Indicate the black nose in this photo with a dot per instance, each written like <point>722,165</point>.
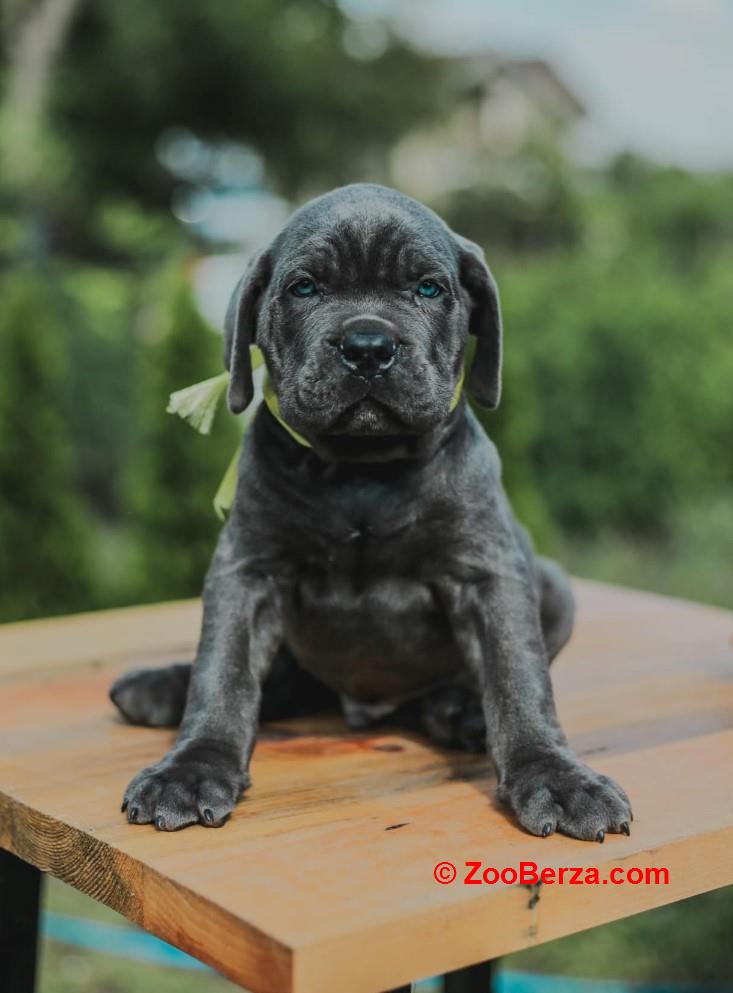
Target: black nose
<point>367,353</point>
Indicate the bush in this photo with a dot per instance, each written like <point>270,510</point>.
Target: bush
<point>101,351</point>
<point>617,398</point>
<point>43,532</point>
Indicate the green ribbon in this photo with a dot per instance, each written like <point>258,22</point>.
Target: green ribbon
<point>197,404</point>
<point>224,496</point>
<point>273,405</point>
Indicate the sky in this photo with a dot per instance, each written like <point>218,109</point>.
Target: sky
<point>656,76</point>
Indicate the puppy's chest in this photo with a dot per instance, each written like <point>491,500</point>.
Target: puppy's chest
<point>363,614</point>
<point>385,638</point>
<point>361,563</point>
<point>361,548</point>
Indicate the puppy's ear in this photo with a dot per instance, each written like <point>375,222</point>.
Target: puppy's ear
<point>239,331</point>
<point>484,380</point>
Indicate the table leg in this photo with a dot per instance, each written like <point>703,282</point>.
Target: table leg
<point>472,979</point>
<point>20,894</point>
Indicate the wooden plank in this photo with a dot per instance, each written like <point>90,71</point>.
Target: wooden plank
<point>312,887</point>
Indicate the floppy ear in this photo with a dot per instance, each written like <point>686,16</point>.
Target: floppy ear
<point>239,331</point>
<point>484,379</point>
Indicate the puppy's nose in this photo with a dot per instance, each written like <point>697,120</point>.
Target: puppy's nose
<point>367,353</point>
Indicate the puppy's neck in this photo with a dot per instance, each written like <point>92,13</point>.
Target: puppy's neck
<point>361,450</point>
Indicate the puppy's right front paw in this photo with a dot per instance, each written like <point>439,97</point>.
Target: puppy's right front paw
<point>196,788</point>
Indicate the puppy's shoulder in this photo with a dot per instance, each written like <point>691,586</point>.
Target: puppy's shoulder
<point>480,454</point>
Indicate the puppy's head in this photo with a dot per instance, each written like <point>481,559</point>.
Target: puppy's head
<point>363,306</point>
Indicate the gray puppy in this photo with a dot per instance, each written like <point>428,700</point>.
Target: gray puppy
<point>375,559</point>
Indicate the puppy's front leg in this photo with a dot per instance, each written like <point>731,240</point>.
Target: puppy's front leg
<point>203,775</point>
<point>496,623</point>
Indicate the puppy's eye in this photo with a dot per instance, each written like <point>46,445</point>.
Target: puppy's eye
<point>304,288</point>
<point>429,288</point>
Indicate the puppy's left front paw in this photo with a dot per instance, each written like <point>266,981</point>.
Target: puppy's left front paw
<point>556,791</point>
<point>198,786</point>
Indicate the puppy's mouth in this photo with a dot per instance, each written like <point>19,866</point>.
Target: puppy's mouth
<point>368,417</point>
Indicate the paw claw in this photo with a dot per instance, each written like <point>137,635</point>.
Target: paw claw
<point>601,836</point>
<point>546,829</point>
<point>625,828</point>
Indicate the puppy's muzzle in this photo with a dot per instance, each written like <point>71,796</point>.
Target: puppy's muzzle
<point>366,348</point>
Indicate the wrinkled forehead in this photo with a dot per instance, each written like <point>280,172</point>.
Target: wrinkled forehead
<point>366,245</point>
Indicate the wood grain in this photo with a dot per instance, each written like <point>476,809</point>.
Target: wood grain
<point>323,879</point>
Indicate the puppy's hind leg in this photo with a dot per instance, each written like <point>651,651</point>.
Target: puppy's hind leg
<point>157,697</point>
<point>153,697</point>
<point>557,605</point>
<point>452,716</point>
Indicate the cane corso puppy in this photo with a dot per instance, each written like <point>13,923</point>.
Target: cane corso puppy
<point>371,556</point>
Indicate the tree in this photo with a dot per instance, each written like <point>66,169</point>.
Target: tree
<point>33,35</point>
<point>274,74</point>
<point>43,568</point>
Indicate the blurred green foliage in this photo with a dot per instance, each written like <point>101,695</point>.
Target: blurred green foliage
<point>43,565</point>
<point>271,73</point>
<point>98,307</point>
<point>618,404</point>
<point>175,471</point>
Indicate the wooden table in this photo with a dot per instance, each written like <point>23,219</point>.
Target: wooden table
<point>322,882</point>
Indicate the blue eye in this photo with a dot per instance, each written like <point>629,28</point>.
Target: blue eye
<point>304,288</point>
<point>429,288</point>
